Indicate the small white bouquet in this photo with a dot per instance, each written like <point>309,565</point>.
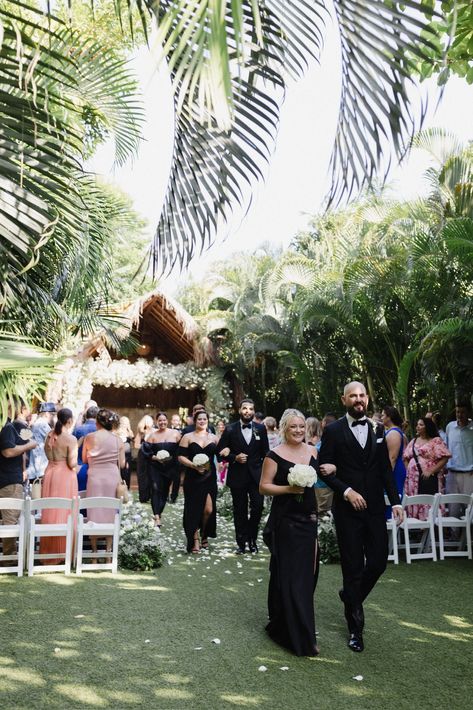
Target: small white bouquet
<point>201,460</point>
<point>162,455</point>
<point>26,434</point>
<point>302,476</point>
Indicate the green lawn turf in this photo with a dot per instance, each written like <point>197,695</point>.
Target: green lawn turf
<point>144,640</point>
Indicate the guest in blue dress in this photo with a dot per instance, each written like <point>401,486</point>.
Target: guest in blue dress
<point>396,442</point>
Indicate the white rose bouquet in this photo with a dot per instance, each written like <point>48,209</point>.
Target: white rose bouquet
<point>303,476</point>
<point>201,460</point>
<point>162,455</point>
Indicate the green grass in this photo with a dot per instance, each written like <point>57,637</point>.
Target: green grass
<point>419,638</point>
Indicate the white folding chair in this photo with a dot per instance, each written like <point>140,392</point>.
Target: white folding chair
<point>393,555</point>
<point>37,529</point>
<point>425,527</point>
<point>15,531</point>
<point>98,530</point>
<point>462,523</point>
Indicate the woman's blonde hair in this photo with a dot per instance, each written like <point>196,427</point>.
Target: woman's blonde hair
<point>288,414</point>
<point>270,423</point>
<point>312,428</point>
<point>145,424</point>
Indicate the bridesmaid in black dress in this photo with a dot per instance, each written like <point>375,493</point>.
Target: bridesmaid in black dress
<point>200,485</point>
<point>161,472</point>
<point>291,535</point>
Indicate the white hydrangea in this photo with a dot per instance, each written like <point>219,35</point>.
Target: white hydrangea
<point>302,475</point>
<point>200,460</point>
<point>162,455</point>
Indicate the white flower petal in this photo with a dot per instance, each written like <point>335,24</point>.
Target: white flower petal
<point>357,677</point>
<point>262,669</point>
<point>216,641</point>
<point>284,668</point>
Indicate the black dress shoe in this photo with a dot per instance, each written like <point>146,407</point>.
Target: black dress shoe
<point>253,548</point>
<point>355,643</point>
<point>239,551</point>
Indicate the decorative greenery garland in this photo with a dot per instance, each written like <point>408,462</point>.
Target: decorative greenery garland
<point>80,378</point>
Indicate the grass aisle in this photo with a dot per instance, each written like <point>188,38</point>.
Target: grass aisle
<point>139,640</point>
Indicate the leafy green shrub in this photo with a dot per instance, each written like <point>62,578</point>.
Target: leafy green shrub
<point>141,546</point>
<point>224,503</point>
<point>329,551</point>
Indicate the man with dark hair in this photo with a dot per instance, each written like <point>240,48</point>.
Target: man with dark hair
<point>244,444</point>
<point>357,447</point>
<point>191,427</point>
<point>258,418</point>
<point>15,441</point>
<point>459,434</point>
<point>80,432</point>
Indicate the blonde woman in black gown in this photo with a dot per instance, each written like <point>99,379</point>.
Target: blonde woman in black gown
<point>200,485</point>
<point>291,535</point>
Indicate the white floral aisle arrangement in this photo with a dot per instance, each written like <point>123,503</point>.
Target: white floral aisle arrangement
<point>302,476</point>
<point>327,538</point>
<point>141,546</point>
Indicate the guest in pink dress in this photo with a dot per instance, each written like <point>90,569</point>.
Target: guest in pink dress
<point>60,479</point>
<point>104,451</point>
<point>425,456</point>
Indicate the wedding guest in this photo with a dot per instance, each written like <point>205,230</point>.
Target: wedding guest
<point>200,484</point>
<point>144,428</point>
<point>244,445</point>
<point>258,418</point>
<point>83,415</point>
<point>191,427</point>
<point>460,442</point>
<point>363,473</point>
<point>60,480</point>
<point>291,535</point>
<point>396,442</point>
<point>125,434</point>
<point>105,453</point>
<point>323,494</point>
<point>80,432</point>
<point>435,416</point>
<point>40,429</point>
<point>426,456</point>
<point>161,471</point>
<point>176,422</point>
<point>272,431</point>
<point>14,445</point>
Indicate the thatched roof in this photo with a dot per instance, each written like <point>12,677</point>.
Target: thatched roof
<point>163,328</point>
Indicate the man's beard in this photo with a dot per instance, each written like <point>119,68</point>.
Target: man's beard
<point>355,413</point>
<point>247,418</point>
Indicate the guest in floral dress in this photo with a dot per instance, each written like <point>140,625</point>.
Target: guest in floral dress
<point>425,457</point>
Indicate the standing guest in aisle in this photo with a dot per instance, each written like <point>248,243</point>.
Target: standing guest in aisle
<point>357,448</point>
<point>15,442</point>
<point>125,433</point>
<point>200,484</point>
<point>60,481</point>
<point>272,430</point>
<point>396,442</point>
<point>244,445</point>
<point>162,467</point>
<point>460,443</point>
<point>40,429</point>
<point>80,432</point>
<point>176,424</point>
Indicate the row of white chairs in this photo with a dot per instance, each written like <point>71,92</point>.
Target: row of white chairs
<point>29,530</point>
<point>425,547</point>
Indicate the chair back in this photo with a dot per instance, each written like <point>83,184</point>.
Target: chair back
<point>50,503</point>
<point>423,499</point>
<point>100,502</point>
<point>12,504</point>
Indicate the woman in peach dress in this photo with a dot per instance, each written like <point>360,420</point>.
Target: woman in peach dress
<point>60,479</point>
<point>105,453</point>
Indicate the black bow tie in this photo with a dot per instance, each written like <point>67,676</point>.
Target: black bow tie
<point>359,422</point>
<point>246,426</point>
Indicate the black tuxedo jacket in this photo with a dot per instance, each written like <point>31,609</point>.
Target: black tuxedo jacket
<point>240,474</point>
<point>368,471</point>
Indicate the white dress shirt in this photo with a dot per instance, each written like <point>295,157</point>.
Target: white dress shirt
<point>247,432</point>
<point>359,432</point>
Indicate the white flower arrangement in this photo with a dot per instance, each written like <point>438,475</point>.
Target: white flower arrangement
<point>200,460</point>
<point>141,546</point>
<point>303,476</point>
<point>79,378</point>
<point>26,434</point>
<point>162,455</point>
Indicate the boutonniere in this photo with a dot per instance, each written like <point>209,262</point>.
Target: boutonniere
<point>257,436</point>
<point>374,425</point>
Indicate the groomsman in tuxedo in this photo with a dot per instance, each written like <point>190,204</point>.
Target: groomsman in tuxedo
<point>244,444</point>
<point>357,447</point>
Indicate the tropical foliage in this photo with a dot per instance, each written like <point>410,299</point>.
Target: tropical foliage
<point>380,291</point>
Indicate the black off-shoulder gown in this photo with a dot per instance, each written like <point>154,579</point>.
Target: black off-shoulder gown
<point>291,535</point>
<point>161,474</point>
<point>197,486</point>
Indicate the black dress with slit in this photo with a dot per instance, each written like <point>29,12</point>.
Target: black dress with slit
<point>161,473</point>
<point>291,535</point>
<point>197,486</point>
